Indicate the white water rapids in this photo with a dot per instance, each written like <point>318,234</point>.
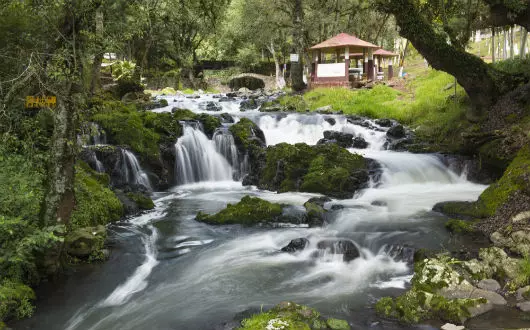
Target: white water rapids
<point>194,276</point>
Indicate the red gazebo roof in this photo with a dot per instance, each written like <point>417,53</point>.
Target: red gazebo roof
<point>344,40</point>
<point>382,52</point>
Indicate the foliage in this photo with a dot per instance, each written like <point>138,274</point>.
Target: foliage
<point>123,70</point>
<point>15,300</point>
<point>95,203</point>
<point>291,316</point>
<point>515,66</point>
<point>250,210</point>
<point>243,132</point>
<point>523,274</point>
<point>327,169</point>
<point>124,126</point>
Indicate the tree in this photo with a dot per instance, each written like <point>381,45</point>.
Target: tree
<point>444,51</point>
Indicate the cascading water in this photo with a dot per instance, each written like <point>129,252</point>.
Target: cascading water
<point>226,146</point>
<point>131,171</point>
<point>207,274</point>
<point>197,158</point>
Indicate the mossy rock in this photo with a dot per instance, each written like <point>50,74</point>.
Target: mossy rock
<point>143,201</point>
<point>494,155</point>
<point>95,203</point>
<point>249,82</point>
<point>291,316</point>
<point>460,226</point>
<point>424,301</point>
<point>15,301</point>
<point>209,123</point>
<point>249,211</point>
<point>327,169</point>
<point>86,242</point>
<point>247,134</point>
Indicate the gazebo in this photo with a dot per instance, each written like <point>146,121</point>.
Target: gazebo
<point>331,60</point>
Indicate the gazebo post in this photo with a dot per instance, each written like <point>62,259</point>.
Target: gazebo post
<point>365,63</point>
<point>370,73</point>
<point>347,62</point>
<point>391,69</point>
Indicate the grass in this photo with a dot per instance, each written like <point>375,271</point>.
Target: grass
<point>427,104</point>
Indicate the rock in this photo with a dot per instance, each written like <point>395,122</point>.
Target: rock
<point>336,207</point>
<point>231,94</point>
<point>325,110</point>
<point>523,293</point>
<point>227,99</point>
<point>396,132</point>
<point>401,253</point>
<point>360,143</point>
<point>211,106</point>
<point>345,247</point>
<point>524,306</point>
<point>315,211</point>
<point>450,326</point>
<point>344,140</point>
<point>331,121</point>
<point>295,245</point>
<point>243,90</point>
<point>489,285</point>
<point>384,122</point>
<point>335,324</point>
<point>249,211</point>
<point>521,217</point>
<point>250,104</point>
<point>379,203</point>
<point>84,242</point>
<point>517,242</point>
<point>226,118</point>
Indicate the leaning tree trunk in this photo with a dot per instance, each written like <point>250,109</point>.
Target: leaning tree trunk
<point>481,82</point>
<point>297,68</point>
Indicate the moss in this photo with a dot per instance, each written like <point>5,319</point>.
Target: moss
<point>243,132</point>
<point>86,243</point>
<point>143,202</point>
<point>166,125</point>
<point>95,203</point>
<point>209,123</point>
<point>15,300</point>
<point>124,125</point>
<point>460,226</point>
<point>494,154</point>
<point>292,316</point>
<point>515,178</point>
<point>250,210</point>
<point>184,114</point>
<point>327,169</point>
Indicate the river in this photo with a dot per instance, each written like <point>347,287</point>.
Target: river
<point>168,271</point>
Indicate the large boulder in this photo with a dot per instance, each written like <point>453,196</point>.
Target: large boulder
<point>250,82</point>
<point>344,140</point>
<point>347,248</point>
<point>85,242</point>
<point>249,211</point>
<point>396,132</point>
<point>250,142</point>
<point>326,169</point>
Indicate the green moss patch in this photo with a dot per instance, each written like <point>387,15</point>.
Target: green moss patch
<point>95,203</point>
<point>460,226</point>
<point>244,132</point>
<point>249,211</point>
<point>291,316</point>
<point>327,169</point>
<point>143,202</point>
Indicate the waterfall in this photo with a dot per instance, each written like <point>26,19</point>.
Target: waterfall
<point>226,146</point>
<point>131,171</point>
<point>197,158</point>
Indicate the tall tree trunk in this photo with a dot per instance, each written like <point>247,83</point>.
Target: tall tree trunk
<point>478,79</point>
<point>59,201</point>
<point>297,68</point>
<point>512,52</point>
<point>493,45</point>
<point>95,82</point>
<point>280,83</point>
<point>504,50</point>
<point>524,35</point>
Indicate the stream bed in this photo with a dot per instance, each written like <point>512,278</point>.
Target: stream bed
<point>168,271</point>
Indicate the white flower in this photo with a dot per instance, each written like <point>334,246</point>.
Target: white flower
<point>276,324</point>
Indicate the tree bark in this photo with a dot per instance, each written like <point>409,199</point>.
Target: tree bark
<point>95,82</point>
<point>492,45</point>
<point>297,68</point>
<point>279,79</point>
<point>524,35</point>
<point>478,79</point>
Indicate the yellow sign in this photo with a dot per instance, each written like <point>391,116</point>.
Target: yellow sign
<point>41,101</point>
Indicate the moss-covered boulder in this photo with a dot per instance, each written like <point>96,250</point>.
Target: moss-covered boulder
<point>505,198</point>
<point>326,169</point>
<point>249,211</point>
<point>315,212</point>
<point>432,295</point>
<point>85,242</point>
<point>250,82</point>
<point>143,201</point>
<point>95,203</point>
<point>288,315</point>
<point>247,134</point>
